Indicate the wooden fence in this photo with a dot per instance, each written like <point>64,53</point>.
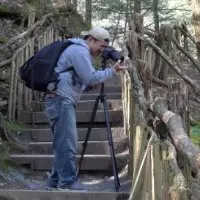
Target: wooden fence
<point>156,172</point>
<point>21,97</point>
<point>152,163</point>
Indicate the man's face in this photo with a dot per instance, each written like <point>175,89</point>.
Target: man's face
<point>97,46</point>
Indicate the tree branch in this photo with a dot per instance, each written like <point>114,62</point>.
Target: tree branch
<point>172,65</point>
<point>196,63</point>
<point>28,32</point>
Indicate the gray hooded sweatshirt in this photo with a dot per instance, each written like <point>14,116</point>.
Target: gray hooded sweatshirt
<point>72,83</point>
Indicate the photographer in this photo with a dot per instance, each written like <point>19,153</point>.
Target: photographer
<point>60,105</point>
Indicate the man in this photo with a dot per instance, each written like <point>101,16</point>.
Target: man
<point>60,105</point>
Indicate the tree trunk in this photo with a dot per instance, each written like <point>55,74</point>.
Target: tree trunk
<point>127,17</point>
<point>75,4</point>
<point>156,16</point>
<point>117,27</point>
<point>196,22</point>
<point>88,13</point>
<point>158,61</point>
<point>178,99</point>
<point>137,6</point>
<point>168,31</point>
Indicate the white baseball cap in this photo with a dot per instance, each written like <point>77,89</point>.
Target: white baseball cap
<point>98,33</point>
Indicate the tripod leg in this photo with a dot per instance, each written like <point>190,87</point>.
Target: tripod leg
<point>87,135</point>
<point>110,140</point>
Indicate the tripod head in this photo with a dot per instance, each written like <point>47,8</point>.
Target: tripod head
<point>110,53</point>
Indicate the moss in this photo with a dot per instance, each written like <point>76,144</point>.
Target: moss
<point>12,127</point>
<point>3,40</point>
<point>195,134</point>
<point>6,11</point>
<point>4,153</point>
<point>74,23</point>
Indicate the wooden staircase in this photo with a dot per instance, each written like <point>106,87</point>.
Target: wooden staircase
<point>97,159</point>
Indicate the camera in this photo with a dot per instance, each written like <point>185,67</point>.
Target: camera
<point>111,53</point>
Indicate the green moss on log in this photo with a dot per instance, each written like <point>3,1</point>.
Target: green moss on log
<point>3,40</point>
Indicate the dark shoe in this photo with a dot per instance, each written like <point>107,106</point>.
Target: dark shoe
<point>49,188</point>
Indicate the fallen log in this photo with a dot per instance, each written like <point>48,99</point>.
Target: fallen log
<point>178,135</point>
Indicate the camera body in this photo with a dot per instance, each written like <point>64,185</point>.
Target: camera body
<point>111,53</point>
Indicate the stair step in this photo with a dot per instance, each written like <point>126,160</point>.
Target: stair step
<point>84,105</point>
<point>90,162</point>
<point>113,81</point>
<point>60,195</point>
<point>45,134</point>
<point>87,96</point>
<point>81,116</point>
<point>93,147</point>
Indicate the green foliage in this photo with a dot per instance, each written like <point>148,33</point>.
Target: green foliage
<point>195,134</point>
<point>104,8</point>
<point>5,9</point>
<point>12,127</point>
<point>40,7</point>
<point>4,153</point>
<point>3,40</point>
<point>74,23</point>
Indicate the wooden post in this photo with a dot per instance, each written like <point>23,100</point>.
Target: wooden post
<point>178,100</point>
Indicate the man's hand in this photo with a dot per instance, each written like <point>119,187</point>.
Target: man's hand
<point>119,66</point>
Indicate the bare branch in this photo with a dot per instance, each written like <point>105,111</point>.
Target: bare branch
<point>196,63</point>
<point>28,32</point>
<point>172,65</point>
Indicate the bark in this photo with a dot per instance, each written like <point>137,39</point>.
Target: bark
<point>196,23</point>
<point>178,101</point>
<point>196,63</point>
<point>158,61</point>
<point>160,82</point>
<point>133,63</point>
<point>156,16</point>
<point>169,61</point>
<point>75,4</point>
<point>117,27</point>
<point>168,31</point>
<point>178,191</point>
<point>137,6</point>
<point>178,135</point>
<point>188,34</point>
<point>88,13</point>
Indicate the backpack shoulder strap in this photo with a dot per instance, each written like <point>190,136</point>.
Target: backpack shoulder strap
<point>67,70</point>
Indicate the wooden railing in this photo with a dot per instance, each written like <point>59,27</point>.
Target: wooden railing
<point>21,97</point>
<point>152,165</point>
<point>160,169</point>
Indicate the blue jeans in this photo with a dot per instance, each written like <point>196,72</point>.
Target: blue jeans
<point>60,112</point>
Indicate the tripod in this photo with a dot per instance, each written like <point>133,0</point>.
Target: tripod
<point>103,99</point>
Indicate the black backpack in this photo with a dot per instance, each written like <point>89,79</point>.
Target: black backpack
<point>38,71</point>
